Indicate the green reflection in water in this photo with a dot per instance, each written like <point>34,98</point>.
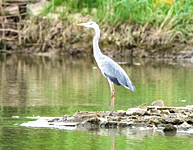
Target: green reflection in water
<point>56,85</point>
<point>49,139</point>
<point>52,86</point>
<point>26,138</point>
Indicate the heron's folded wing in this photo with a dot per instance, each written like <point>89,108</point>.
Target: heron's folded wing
<point>115,73</point>
<point>112,70</point>
<point>113,79</point>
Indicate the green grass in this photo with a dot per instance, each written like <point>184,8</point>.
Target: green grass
<point>161,13</point>
<point>135,23</point>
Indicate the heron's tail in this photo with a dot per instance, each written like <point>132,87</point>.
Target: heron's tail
<point>131,87</point>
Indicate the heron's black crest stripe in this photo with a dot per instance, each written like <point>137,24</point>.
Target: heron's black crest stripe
<point>113,79</point>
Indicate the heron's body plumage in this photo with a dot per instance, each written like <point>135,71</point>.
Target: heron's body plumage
<point>110,69</point>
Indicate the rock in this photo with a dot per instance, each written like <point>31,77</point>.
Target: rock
<point>143,106</point>
<point>169,118</point>
<point>177,121</point>
<point>155,111</point>
<point>135,111</point>
<point>190,115</point>
<point>185,125</point>
<point>167,112</point>
<point>172,111</point>
<point>159,103</point>
<point>169,128</point>
<point>36,9</point>
<point>122,124</point>
<point>121,113</point>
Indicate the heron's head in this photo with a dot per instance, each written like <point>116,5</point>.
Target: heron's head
<point>88,24</point>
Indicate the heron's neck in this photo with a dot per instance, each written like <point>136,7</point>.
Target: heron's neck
<point>96,51</point>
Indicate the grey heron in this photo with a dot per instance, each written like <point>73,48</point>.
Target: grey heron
<point>109,68</point>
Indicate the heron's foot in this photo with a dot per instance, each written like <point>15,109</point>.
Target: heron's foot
<point>111,113</point>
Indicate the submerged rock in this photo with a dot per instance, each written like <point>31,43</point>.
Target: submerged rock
<point>169,128</point>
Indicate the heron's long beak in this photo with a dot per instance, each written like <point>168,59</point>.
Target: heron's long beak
<point>80,24</point>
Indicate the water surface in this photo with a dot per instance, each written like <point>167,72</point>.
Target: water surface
<point>57,85</point>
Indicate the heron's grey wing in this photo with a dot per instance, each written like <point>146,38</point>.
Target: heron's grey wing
<point>115,73</point>
<point>112,70</point>
<point>113,79</point>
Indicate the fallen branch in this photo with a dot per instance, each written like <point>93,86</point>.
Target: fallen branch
<point>15,15</point>
<point>11,30</point>
<point>8,39</point>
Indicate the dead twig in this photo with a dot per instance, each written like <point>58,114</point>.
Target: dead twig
<point>11,30</point>
<point>14,15</point>
<point>9,39</point>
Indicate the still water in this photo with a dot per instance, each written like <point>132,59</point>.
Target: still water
<point>57,85</point>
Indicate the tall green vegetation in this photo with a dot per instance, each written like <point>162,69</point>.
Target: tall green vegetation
<point>176,14</point>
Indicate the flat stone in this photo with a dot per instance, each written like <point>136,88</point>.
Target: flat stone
<point>167,112</point>
<point>143,106</point>
<point>135,111</point>
<point>158,103</point>
<point>155,111</point>
<point>121,113</point>
<point>185,125</point>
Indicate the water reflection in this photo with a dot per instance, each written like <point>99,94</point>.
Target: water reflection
<point>53,86</point>
<point>49,139</point>
<point>56,85</point>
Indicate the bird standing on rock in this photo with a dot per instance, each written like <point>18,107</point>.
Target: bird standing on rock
<point>109,68</point>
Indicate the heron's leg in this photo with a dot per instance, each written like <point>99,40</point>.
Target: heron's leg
<point>112,96</point>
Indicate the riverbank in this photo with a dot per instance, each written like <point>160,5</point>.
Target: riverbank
<point>54,33</point>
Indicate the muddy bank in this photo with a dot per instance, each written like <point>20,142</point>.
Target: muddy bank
<point>45,35</point>
<point>156,116</point>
